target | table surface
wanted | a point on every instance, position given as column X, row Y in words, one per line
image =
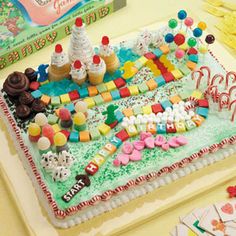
column 138, row 13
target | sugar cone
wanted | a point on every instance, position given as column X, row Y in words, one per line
column 95, row 78
column 56, row 73
column 80, row 81
column 112, row 62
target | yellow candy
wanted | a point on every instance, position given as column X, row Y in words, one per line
column 34, row 129
column 79, row 118
column 202, row 25
column 203, row 49
column 59, row 139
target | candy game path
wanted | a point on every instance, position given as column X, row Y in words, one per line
column 39, row 226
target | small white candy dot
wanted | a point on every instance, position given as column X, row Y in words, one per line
column 181, row 103
column 143, row 120
column 126, row 119
column 177, row 119
column 131, row 122
column 168, row 109
column 150, row 119
column 139, row 116
column 124, row 124
column 137, row 121
column 132, row 118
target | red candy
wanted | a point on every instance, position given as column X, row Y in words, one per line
column 47, row 131
column 157, row 108
column 74, row 95
column 168, row 77
column 122, row 135
column 150, row 56
column 77, row 64
column 179, row 39
column 78, row 22
column 232, row 191
column 58, row 48
column 64, row 114
column 203, row 103
column 124, row 92
column 34, row 85
column 119, row 82
column 91, row 168
column 192, row 51
column 66, row 133
column 96, row 59
column 105, row 40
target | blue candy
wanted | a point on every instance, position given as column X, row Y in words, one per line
column 182, row 14
column 169, row 38
column 197, row 32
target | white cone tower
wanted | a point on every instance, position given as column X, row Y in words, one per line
column 80, row 47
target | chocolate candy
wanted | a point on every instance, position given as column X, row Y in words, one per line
column 38, row 106
column 22, row 111
column 26, row 98
column 15, row 84
column 31, row 74
column 210, row 39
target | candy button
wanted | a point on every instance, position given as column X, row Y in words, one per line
column 149, row 142
column 127, row 148
column 60, row 139
column 41, row 119
column 139, row 145
column 123, row 158
column 181, row 140
column 34, row 129
column 135, row 156
column 160, row 140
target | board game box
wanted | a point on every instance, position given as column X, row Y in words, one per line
column 26, row 26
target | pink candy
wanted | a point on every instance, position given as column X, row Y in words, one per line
column 150, row 142
column 181, row 140
column 135, row 156
column 127, row 148
column 160, row 140
column 144, row 135
column 139, row 145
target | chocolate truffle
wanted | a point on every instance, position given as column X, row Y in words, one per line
column 31, row 74
column 26, row 98
column 38, row 106
column 15, row 84
column 22, row 111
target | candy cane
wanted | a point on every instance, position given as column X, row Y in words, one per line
column 215, row 77
column 234, row 112
column 231, row 90
column 200, row 75
column 208, row 72
column 228, row 76
column 212, row 93
column 221, row 101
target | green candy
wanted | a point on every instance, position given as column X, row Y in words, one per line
column 172, row 23
column 192, row 42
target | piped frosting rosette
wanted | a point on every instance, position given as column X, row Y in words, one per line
column 78, row 72
column 15, row 84
column 108, row 55
column 96, row 70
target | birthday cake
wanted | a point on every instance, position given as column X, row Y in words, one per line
column 100, row 126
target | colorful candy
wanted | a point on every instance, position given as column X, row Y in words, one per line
column 81, row 106
column 34, row 132
column 192, row 42
column 202, row 25
column 172, row 23
column 188, row 22
column 47, row 131
column 179, row 39
column 169, row 38
column 210, row 39
column 65, row 116
column 79, row 121
column 60, row 142
column 197, row 32
column 182, row 14
column 41, row 119
column 179, row 53
column 43, row 145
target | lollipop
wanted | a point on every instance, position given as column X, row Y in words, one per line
column 192, row 42
column 182, row 14
column 188, row 23
column 202, row 25
column 172, row 24
column 169, row 38
column 197, row 32
column 179, row 54
column 179, row 39
column 210, row 39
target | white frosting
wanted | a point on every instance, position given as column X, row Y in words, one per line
column 59, row 59
column 78, row 74
column 80, row 46
column 65, row 159
column 106, row 50
column 61, row 174
column 97, row 68
column 49, row 161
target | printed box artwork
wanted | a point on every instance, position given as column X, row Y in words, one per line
column 27, row 26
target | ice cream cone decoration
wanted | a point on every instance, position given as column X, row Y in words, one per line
column 80, row 47
column 108, row 55
column 78, row 72
column 96, row 70
column 60, row 67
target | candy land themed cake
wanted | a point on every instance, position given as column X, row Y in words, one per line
column 100, row 126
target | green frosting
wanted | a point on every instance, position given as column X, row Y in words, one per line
column 217, row 127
